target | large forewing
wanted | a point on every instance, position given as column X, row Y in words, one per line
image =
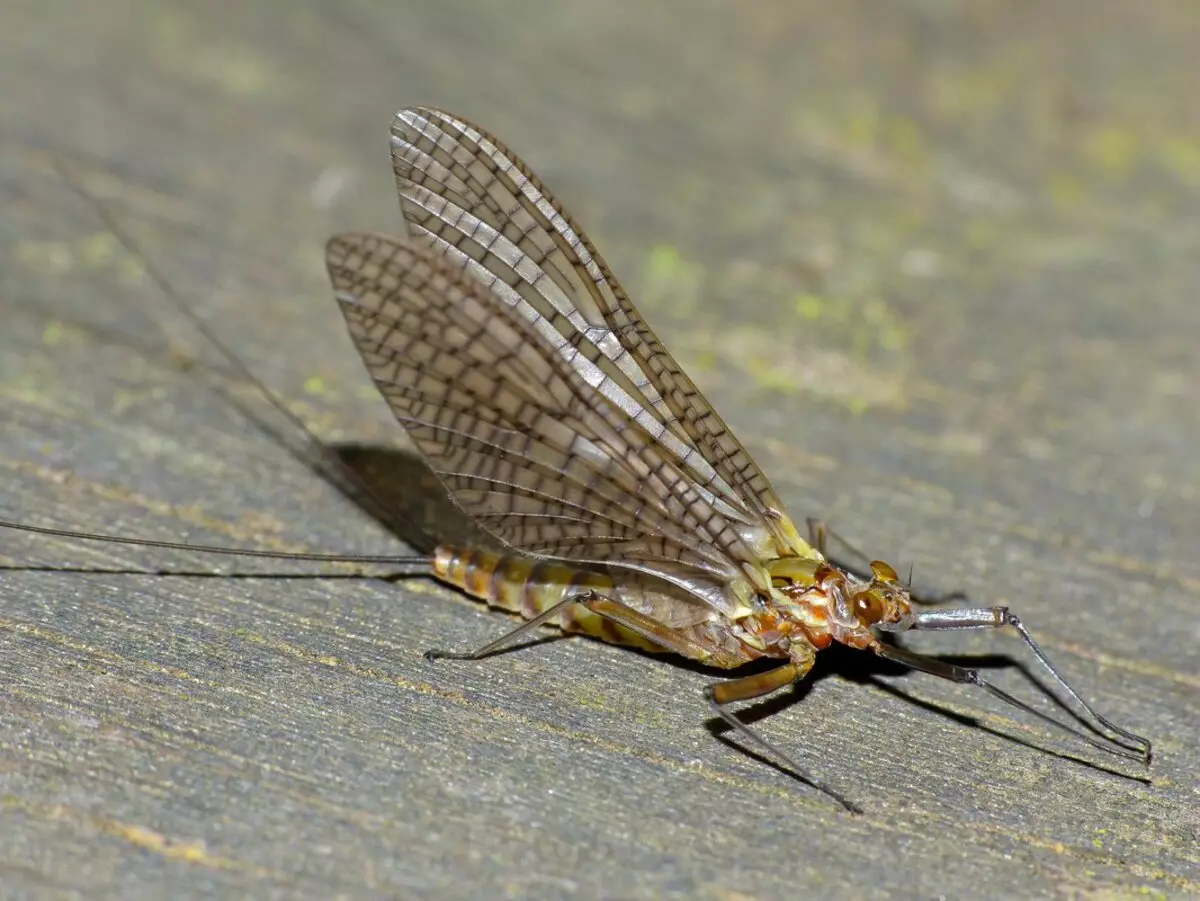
column 523, row 443
column 475, row 201
column 519, row 259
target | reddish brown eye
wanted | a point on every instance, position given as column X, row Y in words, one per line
column 868, row 607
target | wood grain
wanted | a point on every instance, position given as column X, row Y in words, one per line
column 936, row 266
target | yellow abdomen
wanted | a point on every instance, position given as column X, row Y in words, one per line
column 529, row 587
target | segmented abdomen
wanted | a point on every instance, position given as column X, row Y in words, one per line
column 529, row 586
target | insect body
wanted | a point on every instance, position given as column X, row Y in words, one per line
column 807, row 609
column 555, row 418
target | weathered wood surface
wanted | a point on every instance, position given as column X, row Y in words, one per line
column 935, row 262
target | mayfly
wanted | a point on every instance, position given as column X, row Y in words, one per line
column 624, row 507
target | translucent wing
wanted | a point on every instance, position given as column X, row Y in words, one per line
column 522, row 440
column 470, row 198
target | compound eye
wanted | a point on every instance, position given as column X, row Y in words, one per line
column 868, row 607
column 883, row 572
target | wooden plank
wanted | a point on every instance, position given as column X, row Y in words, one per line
column 935, row 265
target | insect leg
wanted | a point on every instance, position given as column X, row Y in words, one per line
column 756, row 686
column 819, row 534
column 995, row 618
column 680, row 642
column 669, row 639
column 723, row 693
column 512, row 635
column 677, row 641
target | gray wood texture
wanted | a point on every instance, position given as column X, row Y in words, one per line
column 936, row 264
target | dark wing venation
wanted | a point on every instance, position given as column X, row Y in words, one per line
column 523, row 443
column 471, row 198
